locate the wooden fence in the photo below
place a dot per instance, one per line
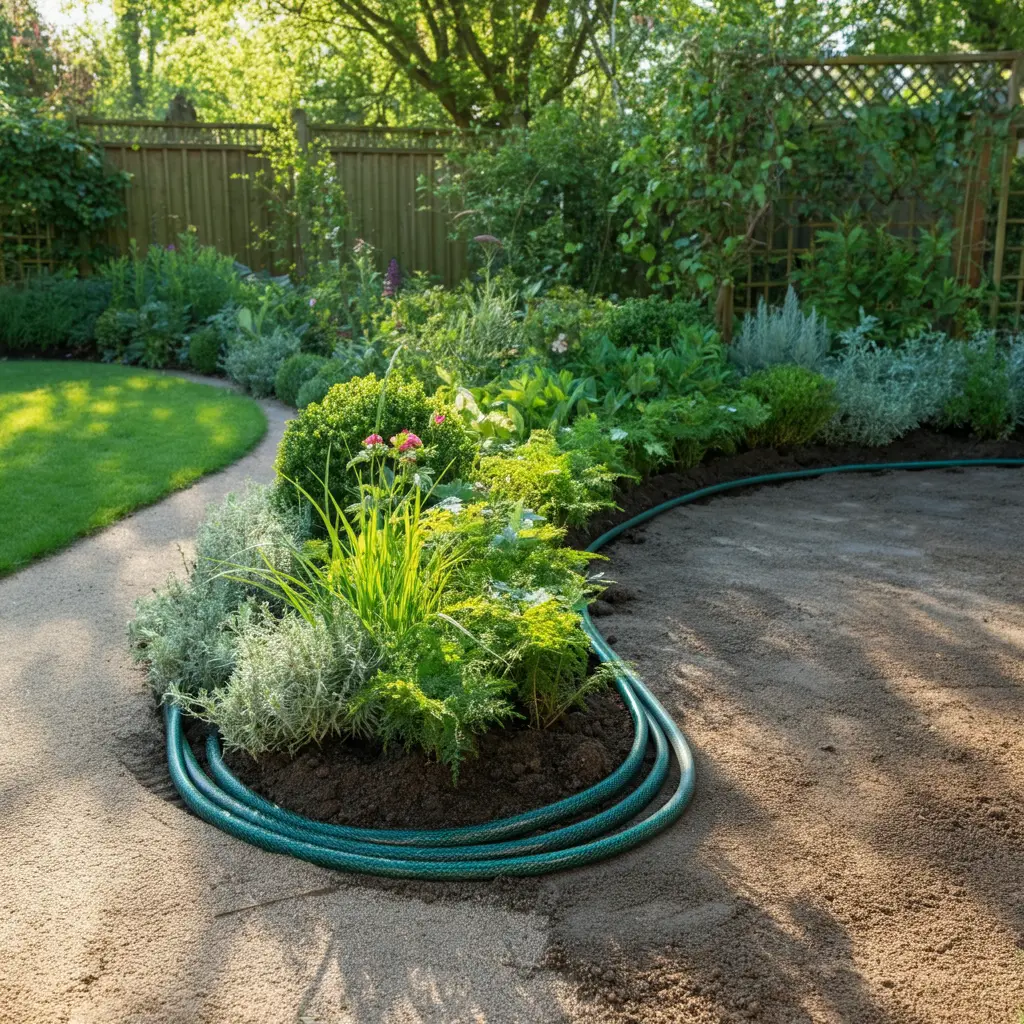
(218, 179)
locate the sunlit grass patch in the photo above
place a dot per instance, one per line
(82, 444)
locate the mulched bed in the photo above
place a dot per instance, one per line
(519, 769)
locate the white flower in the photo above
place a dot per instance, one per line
(560, 344)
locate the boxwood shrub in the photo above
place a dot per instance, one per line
(352, 411)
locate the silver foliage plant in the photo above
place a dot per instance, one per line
(186, 632)
(253, 362)
(291, 683)
(884, 393)
(776, 335)
(1015, 367)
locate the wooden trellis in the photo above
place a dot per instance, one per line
(835, 91)
(26, 247)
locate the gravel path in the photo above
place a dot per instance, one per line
(116, 906)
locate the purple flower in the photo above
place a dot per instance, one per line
(486, 240)
(312, 303)
(392, 279)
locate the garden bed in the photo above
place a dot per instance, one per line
(518, 768)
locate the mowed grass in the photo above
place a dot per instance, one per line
(82, 444)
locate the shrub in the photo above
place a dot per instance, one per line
(51, 313)
(982, 399)
(557, 322)
(881, 393)
(334, 371)
(907, 285)
(466, 336)
(542, 478)
(546, 193)
(151, 335)
(352, 411)
(293, 373)
(185, 631)
(799, 401)
(252, 362)
(1015, 369)
(543, 645)
(204, 347)
(774, 336)
(291, 683)
(184, 634)
(194, 278)
(434, 705)
(52, 174)
(655, 322)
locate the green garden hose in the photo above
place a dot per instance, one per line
(510, 846)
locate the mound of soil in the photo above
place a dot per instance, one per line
(517, 770)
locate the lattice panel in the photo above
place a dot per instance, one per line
(26, 247)
(836, 89)
(178, 133)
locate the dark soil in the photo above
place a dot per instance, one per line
(518, 769)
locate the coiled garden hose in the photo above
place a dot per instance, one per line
(518, 845)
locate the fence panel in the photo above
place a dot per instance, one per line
(214, 178)
(379, 169)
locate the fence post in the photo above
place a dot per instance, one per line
(303, 247)
(1010, 154)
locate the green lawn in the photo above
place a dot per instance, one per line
(82, 444)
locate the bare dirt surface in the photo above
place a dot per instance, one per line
(846, 656)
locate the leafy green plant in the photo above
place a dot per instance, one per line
(545, 193)
(773, 336)
(907, 285)
(293, 373)
(352, 411)
(542, 399)
(695, 186)
(545, 479)
(151, 335)
(557, 321)
(204, 347)
(51, 314)
(982, 398)
(460, 337)
(655, 322)
(799, 401)
(193, 278)
(52, 174)
(679, 431)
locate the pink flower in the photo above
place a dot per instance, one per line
(372, 440)
(439, 418)
(486, 240)
(411, 441)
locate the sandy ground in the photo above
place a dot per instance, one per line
(117, 907)
(846, 656)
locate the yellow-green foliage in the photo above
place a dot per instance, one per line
(542, 477)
